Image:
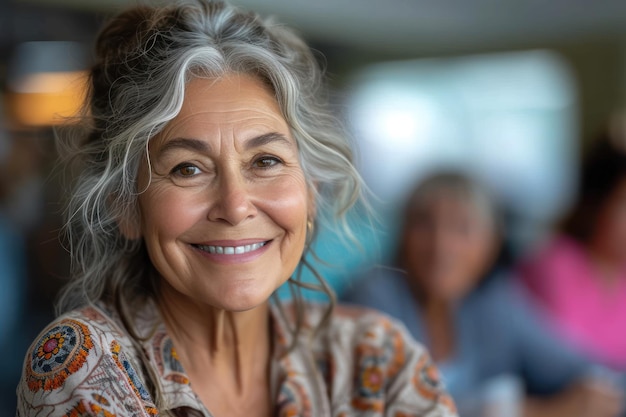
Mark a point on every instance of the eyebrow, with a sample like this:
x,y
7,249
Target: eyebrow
x,y
267,138
203,147
184,143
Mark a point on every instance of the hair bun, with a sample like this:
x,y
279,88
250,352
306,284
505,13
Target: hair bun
x,y
123,34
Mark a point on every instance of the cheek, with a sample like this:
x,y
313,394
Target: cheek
x,y
287,202
169,211
288,206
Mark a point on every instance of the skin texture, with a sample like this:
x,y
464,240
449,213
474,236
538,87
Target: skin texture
x,y
224,172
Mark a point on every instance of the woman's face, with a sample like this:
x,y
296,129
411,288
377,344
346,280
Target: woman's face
x,y
449,242
225,208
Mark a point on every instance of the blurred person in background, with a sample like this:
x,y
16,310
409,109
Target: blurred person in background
x,y
578,276
453,293
206,153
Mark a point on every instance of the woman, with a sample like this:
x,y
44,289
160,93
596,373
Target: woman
x,y
208,155
579,276
495,357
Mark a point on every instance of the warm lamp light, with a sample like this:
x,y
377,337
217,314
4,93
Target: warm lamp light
x,y
47,84
50,99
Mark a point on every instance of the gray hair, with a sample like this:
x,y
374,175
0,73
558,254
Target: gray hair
x,y
144,58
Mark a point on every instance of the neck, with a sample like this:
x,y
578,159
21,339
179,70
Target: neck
x,y
235,347
438,309
439,326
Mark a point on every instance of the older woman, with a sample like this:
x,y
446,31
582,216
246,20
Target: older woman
x,y
494,352
207,156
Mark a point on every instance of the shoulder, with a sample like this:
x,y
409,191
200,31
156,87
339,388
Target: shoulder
x,y
388,368
363,323
364,335
499,300
352,323
66,349
81,361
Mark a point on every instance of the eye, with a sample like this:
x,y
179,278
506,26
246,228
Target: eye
x,y
266,162
185,170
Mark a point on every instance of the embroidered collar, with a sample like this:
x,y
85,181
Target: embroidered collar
x,y
297,386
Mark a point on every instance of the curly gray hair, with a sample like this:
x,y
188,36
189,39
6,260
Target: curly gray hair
x,y
144,58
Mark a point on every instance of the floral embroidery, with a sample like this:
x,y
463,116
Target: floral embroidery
x,y
59,353
370,386
51,345
426,378
170,357
167,359
100,399
124,364
293,400
367,404
369,379
395,347
427,382
372,379
361,365
99,411
79,410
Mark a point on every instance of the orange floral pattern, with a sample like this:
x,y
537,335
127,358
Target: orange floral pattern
x,y
60,352
131,376
361,364
426,380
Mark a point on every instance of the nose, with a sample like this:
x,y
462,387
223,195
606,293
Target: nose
x,y
233,201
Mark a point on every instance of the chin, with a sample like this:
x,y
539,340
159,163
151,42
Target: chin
x,y
245,299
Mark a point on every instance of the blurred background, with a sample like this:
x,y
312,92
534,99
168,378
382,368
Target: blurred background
x,y
512,92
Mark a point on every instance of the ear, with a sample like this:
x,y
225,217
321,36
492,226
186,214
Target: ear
x,y
312,206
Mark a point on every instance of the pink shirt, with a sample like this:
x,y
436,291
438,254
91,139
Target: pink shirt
x,y
585,311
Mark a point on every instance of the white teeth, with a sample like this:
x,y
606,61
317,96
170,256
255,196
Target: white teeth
x,y
231,250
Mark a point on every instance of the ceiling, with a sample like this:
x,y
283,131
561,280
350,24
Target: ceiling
x,y
428,25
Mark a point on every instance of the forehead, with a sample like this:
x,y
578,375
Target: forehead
x,y
240,103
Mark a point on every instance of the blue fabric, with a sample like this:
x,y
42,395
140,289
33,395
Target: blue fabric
x,y
497,332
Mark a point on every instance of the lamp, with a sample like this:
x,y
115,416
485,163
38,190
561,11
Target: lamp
x,y
46,83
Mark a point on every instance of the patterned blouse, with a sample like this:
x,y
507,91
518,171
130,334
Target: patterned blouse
x,y
361,364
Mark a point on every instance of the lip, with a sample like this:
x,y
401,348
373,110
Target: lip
x,y
235,258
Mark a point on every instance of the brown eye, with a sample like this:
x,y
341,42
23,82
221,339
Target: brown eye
x,y
186,170
266,162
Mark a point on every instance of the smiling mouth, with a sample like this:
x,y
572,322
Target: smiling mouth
x,y
231,250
